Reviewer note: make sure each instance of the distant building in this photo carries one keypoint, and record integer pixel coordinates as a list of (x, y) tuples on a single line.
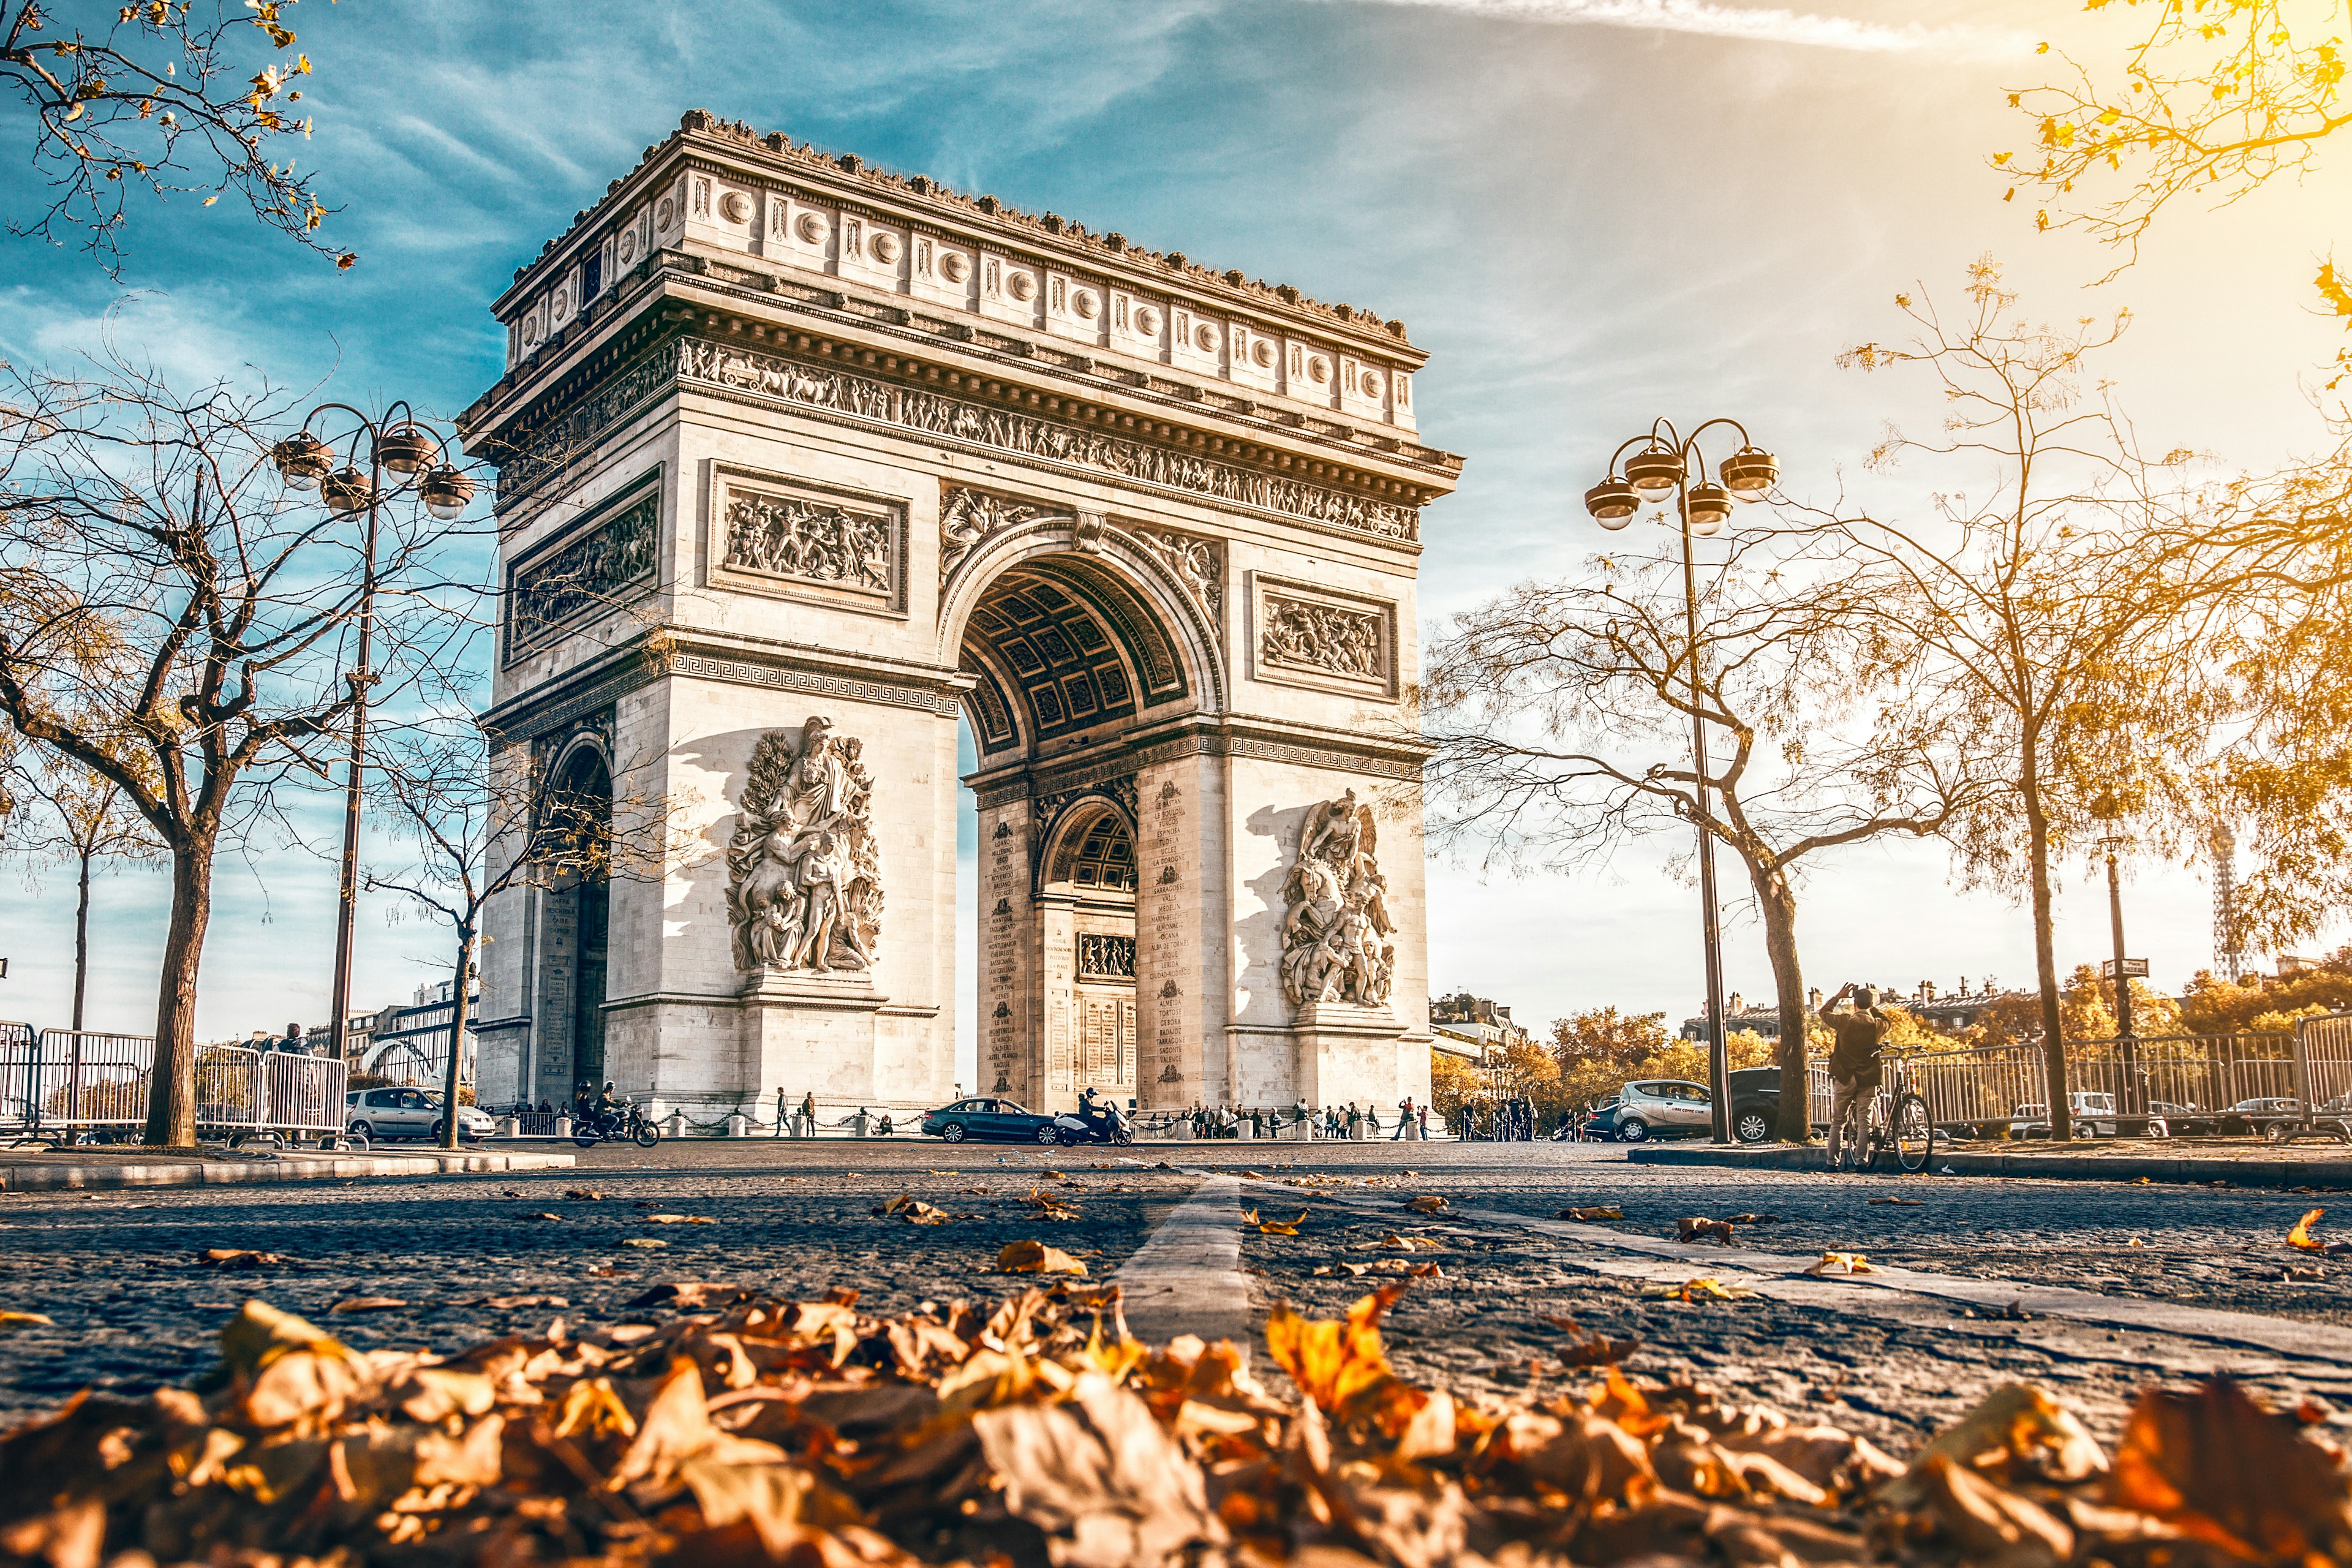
[(1470, 1027), (1950, 1012), (411, 1044)]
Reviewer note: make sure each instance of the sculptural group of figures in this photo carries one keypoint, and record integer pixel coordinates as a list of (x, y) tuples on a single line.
[(803, 538), (1336, 934), (804, 889)]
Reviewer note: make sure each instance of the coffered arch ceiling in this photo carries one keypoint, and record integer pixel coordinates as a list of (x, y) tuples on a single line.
[(1060, 644)]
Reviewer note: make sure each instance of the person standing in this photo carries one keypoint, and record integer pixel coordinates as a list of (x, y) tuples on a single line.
[(1404, 1118), (783, 1110), (293, 1043), (1855, 1068), (808, 1114), (1422, 1117)]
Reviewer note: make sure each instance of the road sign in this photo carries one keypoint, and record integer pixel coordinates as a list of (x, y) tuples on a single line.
[(2134, 968)]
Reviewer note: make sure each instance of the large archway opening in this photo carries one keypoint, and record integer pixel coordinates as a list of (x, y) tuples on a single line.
[(1070, 653), (575, 925)]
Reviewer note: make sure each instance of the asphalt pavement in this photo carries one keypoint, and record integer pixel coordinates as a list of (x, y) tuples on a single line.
[(136, 1303)]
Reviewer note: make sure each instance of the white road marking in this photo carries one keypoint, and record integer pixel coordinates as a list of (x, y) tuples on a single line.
[(1900, 1293), (1186, 1278)]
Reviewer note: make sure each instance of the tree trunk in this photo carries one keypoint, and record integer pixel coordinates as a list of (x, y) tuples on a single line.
[(1778, 901), (2046, 959), (172, 1087), (81, 941), (456, 1037)]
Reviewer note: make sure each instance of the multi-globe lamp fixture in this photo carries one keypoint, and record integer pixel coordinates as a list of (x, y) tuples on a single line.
[(1662, 465), (400, 446)]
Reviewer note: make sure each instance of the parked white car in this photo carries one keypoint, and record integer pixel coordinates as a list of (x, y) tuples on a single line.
[(379, 1113)]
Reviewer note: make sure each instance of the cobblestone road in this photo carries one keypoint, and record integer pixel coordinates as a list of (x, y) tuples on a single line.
[(481, 1255)]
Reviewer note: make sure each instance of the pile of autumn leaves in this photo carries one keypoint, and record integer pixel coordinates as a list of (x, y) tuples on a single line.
[(746, 1431)]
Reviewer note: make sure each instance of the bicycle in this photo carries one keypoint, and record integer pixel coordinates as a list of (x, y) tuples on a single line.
[(1895, 1118)]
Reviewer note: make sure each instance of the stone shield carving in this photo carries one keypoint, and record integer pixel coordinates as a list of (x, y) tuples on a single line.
[(1336, 931), (803, 889)]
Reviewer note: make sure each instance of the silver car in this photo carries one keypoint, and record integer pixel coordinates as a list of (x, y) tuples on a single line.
[(379, 1113), (1663, 1107)]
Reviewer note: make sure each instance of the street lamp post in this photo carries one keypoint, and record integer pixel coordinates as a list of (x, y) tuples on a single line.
[(1665, 466), (402, 447)]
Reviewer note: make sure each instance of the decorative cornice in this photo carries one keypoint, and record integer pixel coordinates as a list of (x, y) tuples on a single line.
[(712, 143)]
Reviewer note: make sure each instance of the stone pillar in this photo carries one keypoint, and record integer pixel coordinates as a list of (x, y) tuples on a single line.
[(1008, 986), (1183, 936)]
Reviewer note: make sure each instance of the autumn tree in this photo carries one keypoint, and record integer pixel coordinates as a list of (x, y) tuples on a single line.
[(1605, 1035), (1563, 714), (168, 96), (2211, 99), (65, 815), (175, 623), (2054, 591)]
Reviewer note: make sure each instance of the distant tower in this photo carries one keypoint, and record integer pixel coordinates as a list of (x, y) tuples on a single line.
[(2229, 957)]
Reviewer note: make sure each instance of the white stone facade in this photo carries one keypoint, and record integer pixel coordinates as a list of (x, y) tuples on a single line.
[(784, 437)]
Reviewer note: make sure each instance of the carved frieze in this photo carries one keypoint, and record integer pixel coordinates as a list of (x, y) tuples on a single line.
[(1104, 956), (809, 540), (803, 887), (1311, 634), (1336, 930), (595, 570), (1335, 641)]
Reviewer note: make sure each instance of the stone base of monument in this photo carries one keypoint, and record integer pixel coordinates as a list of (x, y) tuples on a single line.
[(1346, 1052), (814, 1031)]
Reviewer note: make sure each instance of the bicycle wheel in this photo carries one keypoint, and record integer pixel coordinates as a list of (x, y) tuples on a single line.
[(1915, 1133)]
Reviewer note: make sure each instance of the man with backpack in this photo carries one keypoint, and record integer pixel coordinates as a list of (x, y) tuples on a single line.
[(1855, 1068)]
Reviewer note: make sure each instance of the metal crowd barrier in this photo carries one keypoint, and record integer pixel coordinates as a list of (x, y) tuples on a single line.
[(2195, 1084), (61, 1080)]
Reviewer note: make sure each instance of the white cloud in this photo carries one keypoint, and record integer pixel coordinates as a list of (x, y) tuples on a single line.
[(1760, 23)]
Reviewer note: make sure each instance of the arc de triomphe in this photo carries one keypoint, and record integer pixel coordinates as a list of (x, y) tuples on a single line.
[(803, 465)]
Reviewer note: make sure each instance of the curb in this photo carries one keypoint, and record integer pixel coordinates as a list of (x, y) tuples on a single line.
[(2188, 1170), (55, 1177)]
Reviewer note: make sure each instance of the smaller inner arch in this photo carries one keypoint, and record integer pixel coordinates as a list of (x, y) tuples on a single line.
[(1105, 858)]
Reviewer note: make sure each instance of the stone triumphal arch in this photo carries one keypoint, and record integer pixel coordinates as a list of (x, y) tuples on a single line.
[(803, 465)]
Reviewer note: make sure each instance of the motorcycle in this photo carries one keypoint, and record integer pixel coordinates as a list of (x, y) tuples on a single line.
[(1105, 1126), (627, 1124)]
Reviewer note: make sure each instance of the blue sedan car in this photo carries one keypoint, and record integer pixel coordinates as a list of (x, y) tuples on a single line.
[(990, 1120)]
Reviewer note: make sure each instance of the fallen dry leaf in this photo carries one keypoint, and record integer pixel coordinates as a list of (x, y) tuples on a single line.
[(14, 1319), (1842, 1263), (1699, 1227), (583, 1194), (679, 1219), (556, 1216), (511, 1303), (1597, 1212), (1752, 1219), (1586, 1349), (1275, 1226), (2301, 1238), (367, 1304), (2221, 1468), (643, 1241), (1427, 1205), (1705, 1287), (238, 1258), (914, 1211), (1899, 1203), (1253, 1176), (1049, 1208), (1036, 1257)]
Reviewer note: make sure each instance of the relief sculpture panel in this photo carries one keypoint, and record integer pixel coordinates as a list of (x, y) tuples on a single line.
[(786, 537), (1337, 934), (804, 890)]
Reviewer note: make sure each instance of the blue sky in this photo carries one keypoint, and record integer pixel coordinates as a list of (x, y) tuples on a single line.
[(1590, 212)]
